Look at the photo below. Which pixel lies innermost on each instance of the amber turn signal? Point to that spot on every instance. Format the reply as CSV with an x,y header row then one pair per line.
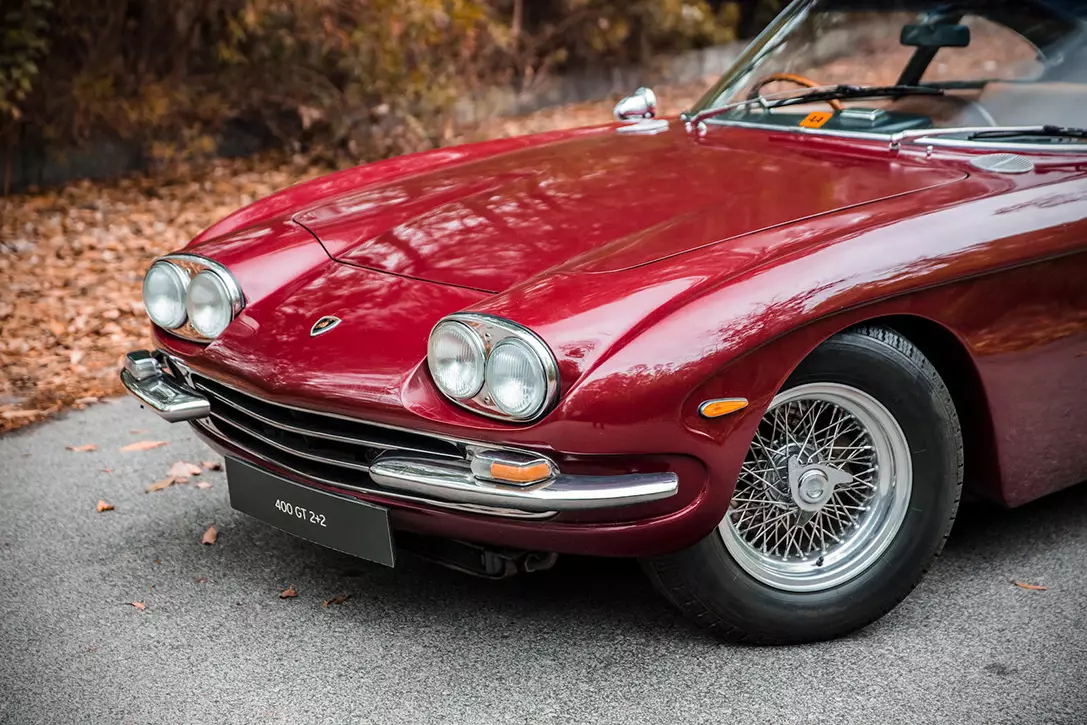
x,y
520,469
520,474
721,407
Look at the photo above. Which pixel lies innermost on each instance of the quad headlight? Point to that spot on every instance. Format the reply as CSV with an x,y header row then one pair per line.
x,y
192,297
208,304
457,360
164,289
492,366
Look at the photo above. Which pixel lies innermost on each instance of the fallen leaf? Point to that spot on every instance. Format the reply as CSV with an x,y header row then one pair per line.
x,y
182,471
201,580
103,506
158,561
138,605
83,448
143,446
203,485
107,470
21,414
338,599
87,401
1032,587
138,431
289,592
212,465
210,535
160,485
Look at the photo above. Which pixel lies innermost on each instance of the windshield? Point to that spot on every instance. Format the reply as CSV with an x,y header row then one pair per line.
x,y
968,64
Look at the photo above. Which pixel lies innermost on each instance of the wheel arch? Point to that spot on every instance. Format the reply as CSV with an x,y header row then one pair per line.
x,y
952,360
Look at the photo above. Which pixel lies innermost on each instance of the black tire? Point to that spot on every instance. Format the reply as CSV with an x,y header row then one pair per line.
x,y
708,585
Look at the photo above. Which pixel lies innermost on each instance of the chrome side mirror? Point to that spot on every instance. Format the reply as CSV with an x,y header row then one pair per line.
x,y
641,105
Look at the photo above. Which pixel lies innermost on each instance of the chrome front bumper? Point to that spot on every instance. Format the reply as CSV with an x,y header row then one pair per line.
x,y
405,474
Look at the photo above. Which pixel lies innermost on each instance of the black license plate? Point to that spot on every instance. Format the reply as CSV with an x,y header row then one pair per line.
x,y
341,523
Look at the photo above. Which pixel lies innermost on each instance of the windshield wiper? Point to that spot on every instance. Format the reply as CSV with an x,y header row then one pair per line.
x,y
1040,131
831,93
845,93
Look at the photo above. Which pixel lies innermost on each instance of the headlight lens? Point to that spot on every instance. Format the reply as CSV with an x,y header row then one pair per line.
x,y
455,356
164,288
209,304
516,379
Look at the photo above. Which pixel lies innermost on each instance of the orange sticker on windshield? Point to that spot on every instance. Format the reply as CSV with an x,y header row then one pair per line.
x,y
817,119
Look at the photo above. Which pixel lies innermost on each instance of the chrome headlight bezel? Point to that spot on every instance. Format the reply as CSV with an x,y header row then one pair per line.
x,y
491,331
192,265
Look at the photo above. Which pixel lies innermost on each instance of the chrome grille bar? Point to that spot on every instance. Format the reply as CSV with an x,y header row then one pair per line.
x,y
299,451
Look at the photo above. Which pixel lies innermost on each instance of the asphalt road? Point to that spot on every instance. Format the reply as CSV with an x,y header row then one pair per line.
x,y
586,642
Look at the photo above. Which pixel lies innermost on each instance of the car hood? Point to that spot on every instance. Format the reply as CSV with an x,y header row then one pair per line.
x,y
601,202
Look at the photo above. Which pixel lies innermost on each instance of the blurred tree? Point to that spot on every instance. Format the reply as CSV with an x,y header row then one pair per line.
x,y
370,77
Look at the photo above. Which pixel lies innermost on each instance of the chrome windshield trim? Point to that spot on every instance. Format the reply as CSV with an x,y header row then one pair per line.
x,y
865,135
920,137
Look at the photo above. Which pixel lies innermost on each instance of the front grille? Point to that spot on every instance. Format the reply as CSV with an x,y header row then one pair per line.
x,y
340,448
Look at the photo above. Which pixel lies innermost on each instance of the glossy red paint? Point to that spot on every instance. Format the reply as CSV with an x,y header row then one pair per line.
x,y
710,271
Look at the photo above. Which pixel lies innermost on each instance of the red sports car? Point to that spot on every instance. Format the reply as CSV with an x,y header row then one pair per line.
x,y
762,347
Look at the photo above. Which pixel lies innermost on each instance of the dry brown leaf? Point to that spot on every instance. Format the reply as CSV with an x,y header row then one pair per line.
x,y
21,414
338,599
1032,587
107,470
203,485
84,448
201,580
138,605
161,485
87,400
182,471
210,535
143,446
212,465
288,593
103,506
138,431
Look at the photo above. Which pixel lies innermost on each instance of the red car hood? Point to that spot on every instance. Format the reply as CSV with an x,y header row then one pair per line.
x,y
604,202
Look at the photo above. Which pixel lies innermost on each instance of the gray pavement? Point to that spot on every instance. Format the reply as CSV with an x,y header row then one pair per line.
x,y
587,642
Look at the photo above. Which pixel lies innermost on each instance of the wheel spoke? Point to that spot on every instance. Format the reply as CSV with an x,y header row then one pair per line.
x,y
824,428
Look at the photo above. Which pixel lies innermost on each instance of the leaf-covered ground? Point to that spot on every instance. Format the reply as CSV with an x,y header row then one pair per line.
x,y
72,260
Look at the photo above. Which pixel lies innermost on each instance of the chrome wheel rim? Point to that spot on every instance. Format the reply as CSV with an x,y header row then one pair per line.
x,y
823,491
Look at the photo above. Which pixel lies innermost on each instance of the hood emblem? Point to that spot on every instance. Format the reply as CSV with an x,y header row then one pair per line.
x,y
323,325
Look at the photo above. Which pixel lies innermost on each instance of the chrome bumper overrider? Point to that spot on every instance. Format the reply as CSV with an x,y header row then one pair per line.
x,y
419,476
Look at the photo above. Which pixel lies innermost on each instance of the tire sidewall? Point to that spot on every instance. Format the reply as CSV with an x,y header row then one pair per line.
x,y
922,407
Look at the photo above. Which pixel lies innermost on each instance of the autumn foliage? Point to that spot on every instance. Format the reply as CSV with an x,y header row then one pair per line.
x,y
369,77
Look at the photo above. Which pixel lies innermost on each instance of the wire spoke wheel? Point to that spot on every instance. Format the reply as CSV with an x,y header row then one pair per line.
x,y
823,491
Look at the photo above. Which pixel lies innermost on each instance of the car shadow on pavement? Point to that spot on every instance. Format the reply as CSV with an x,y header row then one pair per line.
x,y
598,599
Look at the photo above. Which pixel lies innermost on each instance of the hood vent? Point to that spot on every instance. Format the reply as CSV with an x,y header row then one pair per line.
x,y
1003,163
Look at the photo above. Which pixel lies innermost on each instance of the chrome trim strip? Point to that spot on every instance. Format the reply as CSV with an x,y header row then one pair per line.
x,y
215,438
561,493
288,449
352,440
